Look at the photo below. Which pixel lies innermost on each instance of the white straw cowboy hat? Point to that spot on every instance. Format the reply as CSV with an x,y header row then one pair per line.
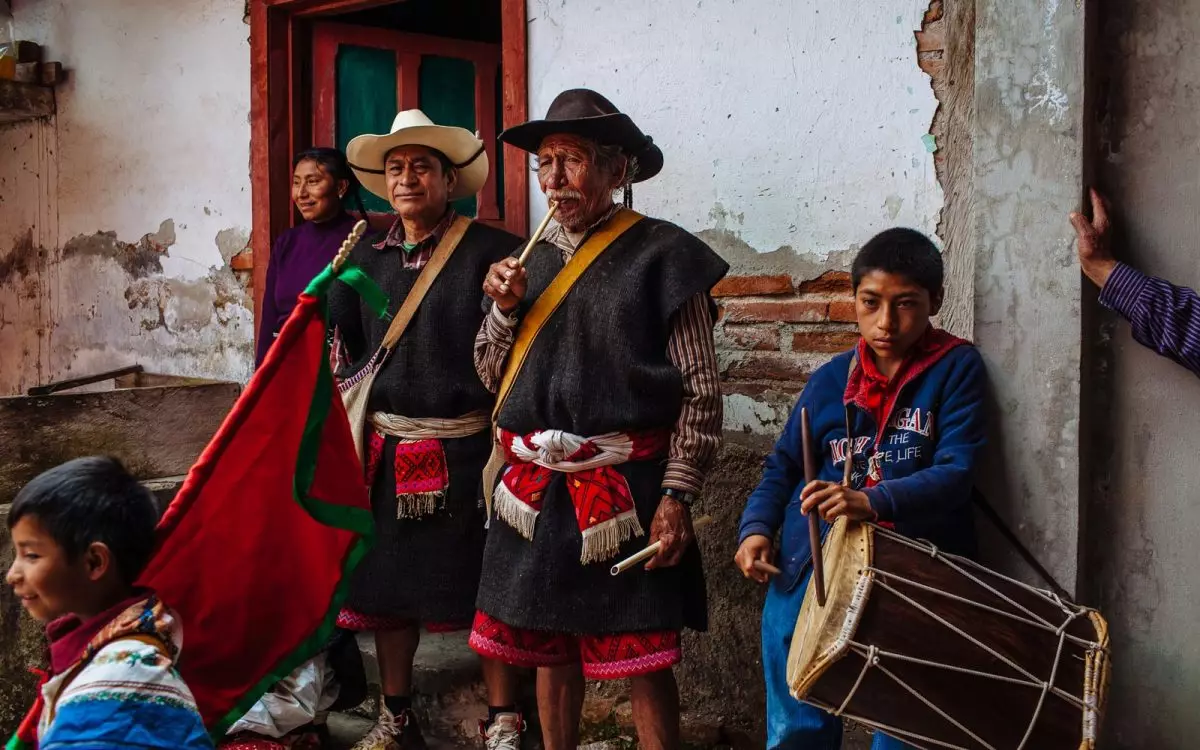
x,y
413,128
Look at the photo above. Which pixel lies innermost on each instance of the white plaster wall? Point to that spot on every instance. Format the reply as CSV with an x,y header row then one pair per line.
x,y
151,137
790,123
155,121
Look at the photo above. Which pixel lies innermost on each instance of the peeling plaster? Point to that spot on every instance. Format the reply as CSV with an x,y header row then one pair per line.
x,y
21,260
231,242
84,196
798,157
138,259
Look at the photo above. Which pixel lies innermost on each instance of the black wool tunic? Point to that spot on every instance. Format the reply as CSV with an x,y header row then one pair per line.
x,y
600,364
424,569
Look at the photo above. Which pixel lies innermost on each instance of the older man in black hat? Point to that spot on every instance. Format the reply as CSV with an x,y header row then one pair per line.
x,y
608,415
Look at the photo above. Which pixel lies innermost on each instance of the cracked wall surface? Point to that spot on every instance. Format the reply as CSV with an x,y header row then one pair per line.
x,y
119,216
946,51
1142,514
1027,154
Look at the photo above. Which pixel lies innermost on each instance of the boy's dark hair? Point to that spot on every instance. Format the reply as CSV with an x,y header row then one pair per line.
x,y
89,500
905,252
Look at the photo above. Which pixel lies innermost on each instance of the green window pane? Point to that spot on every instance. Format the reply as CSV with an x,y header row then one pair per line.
x,y
447,95
366,99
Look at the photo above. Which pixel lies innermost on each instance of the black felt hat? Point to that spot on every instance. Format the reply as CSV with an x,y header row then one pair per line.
x,y
585,113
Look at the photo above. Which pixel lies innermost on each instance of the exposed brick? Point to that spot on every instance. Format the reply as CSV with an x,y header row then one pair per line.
x,y
842,311
768,367
243,261
933,13
748,286
775,311
753,337
933,63
824,342
931,37
753,390
830,282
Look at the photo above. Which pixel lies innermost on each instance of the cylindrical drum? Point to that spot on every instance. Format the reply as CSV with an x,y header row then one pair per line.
x,y
941,652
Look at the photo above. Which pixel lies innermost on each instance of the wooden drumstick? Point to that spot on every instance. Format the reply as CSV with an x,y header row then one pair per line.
x,y
348,244
537,235
653,549
765,567
814,516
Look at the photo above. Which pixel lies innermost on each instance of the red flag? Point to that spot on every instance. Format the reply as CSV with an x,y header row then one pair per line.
x,y
256,549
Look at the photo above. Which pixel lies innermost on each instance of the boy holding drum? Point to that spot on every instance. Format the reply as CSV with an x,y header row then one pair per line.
x,y
912,397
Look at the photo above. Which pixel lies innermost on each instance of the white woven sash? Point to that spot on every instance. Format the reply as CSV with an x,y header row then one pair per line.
x,y
550,449
429,428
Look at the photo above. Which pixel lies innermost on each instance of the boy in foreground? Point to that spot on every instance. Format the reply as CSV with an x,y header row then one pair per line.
x,y
913,397
82,533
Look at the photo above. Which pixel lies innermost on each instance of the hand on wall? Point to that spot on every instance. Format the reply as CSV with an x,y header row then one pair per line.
x,y
1095,254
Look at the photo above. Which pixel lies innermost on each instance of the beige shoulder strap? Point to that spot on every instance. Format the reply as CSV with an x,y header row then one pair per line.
x,y
548,302
536,318
425,279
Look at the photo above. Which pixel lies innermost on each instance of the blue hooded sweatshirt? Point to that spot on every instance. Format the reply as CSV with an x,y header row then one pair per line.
x,y
921,463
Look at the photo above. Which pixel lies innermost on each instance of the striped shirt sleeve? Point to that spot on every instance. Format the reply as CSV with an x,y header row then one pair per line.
x,y
1164,317
492,345
697,435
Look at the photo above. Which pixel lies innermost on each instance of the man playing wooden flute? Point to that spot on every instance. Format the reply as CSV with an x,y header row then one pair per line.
x,y
609,415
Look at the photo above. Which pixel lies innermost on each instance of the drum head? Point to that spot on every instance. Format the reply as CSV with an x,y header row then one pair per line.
x,y
823,633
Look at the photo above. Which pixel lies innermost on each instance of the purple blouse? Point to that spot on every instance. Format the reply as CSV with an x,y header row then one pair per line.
x,y
297,256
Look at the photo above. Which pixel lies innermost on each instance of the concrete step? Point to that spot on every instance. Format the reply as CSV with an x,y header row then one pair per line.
x,y
450,698
448,692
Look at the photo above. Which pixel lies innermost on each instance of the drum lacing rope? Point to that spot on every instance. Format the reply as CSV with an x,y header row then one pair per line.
x,y
955,561
873,656
1033,681
1062,631
979,605
870,659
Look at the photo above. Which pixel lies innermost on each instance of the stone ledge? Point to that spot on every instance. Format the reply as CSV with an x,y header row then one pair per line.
x,y
24,101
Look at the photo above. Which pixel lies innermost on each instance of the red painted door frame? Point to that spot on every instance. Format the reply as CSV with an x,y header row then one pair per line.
x,y
279,124
409,49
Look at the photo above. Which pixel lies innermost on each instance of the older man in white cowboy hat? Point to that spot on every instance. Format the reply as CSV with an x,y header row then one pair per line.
x,y
609,416
426,438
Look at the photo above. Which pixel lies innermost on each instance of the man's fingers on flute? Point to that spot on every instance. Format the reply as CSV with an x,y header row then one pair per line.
x,y
668,555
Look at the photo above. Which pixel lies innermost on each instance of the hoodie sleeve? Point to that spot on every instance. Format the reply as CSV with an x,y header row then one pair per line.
x,y
784,472
961,430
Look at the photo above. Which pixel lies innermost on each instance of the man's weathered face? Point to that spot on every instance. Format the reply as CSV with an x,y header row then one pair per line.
x,y
417,183
569,173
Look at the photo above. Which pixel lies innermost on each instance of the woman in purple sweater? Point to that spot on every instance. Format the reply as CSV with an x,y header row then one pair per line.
x,y
321,184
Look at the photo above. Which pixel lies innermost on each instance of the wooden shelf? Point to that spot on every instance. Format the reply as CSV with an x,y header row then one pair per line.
x,y
24,101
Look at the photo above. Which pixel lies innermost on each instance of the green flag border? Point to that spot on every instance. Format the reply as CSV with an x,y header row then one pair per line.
x,y
357,520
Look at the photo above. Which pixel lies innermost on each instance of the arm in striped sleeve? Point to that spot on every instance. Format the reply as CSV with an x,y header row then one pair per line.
x,y
492,345
697,435
1164,317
